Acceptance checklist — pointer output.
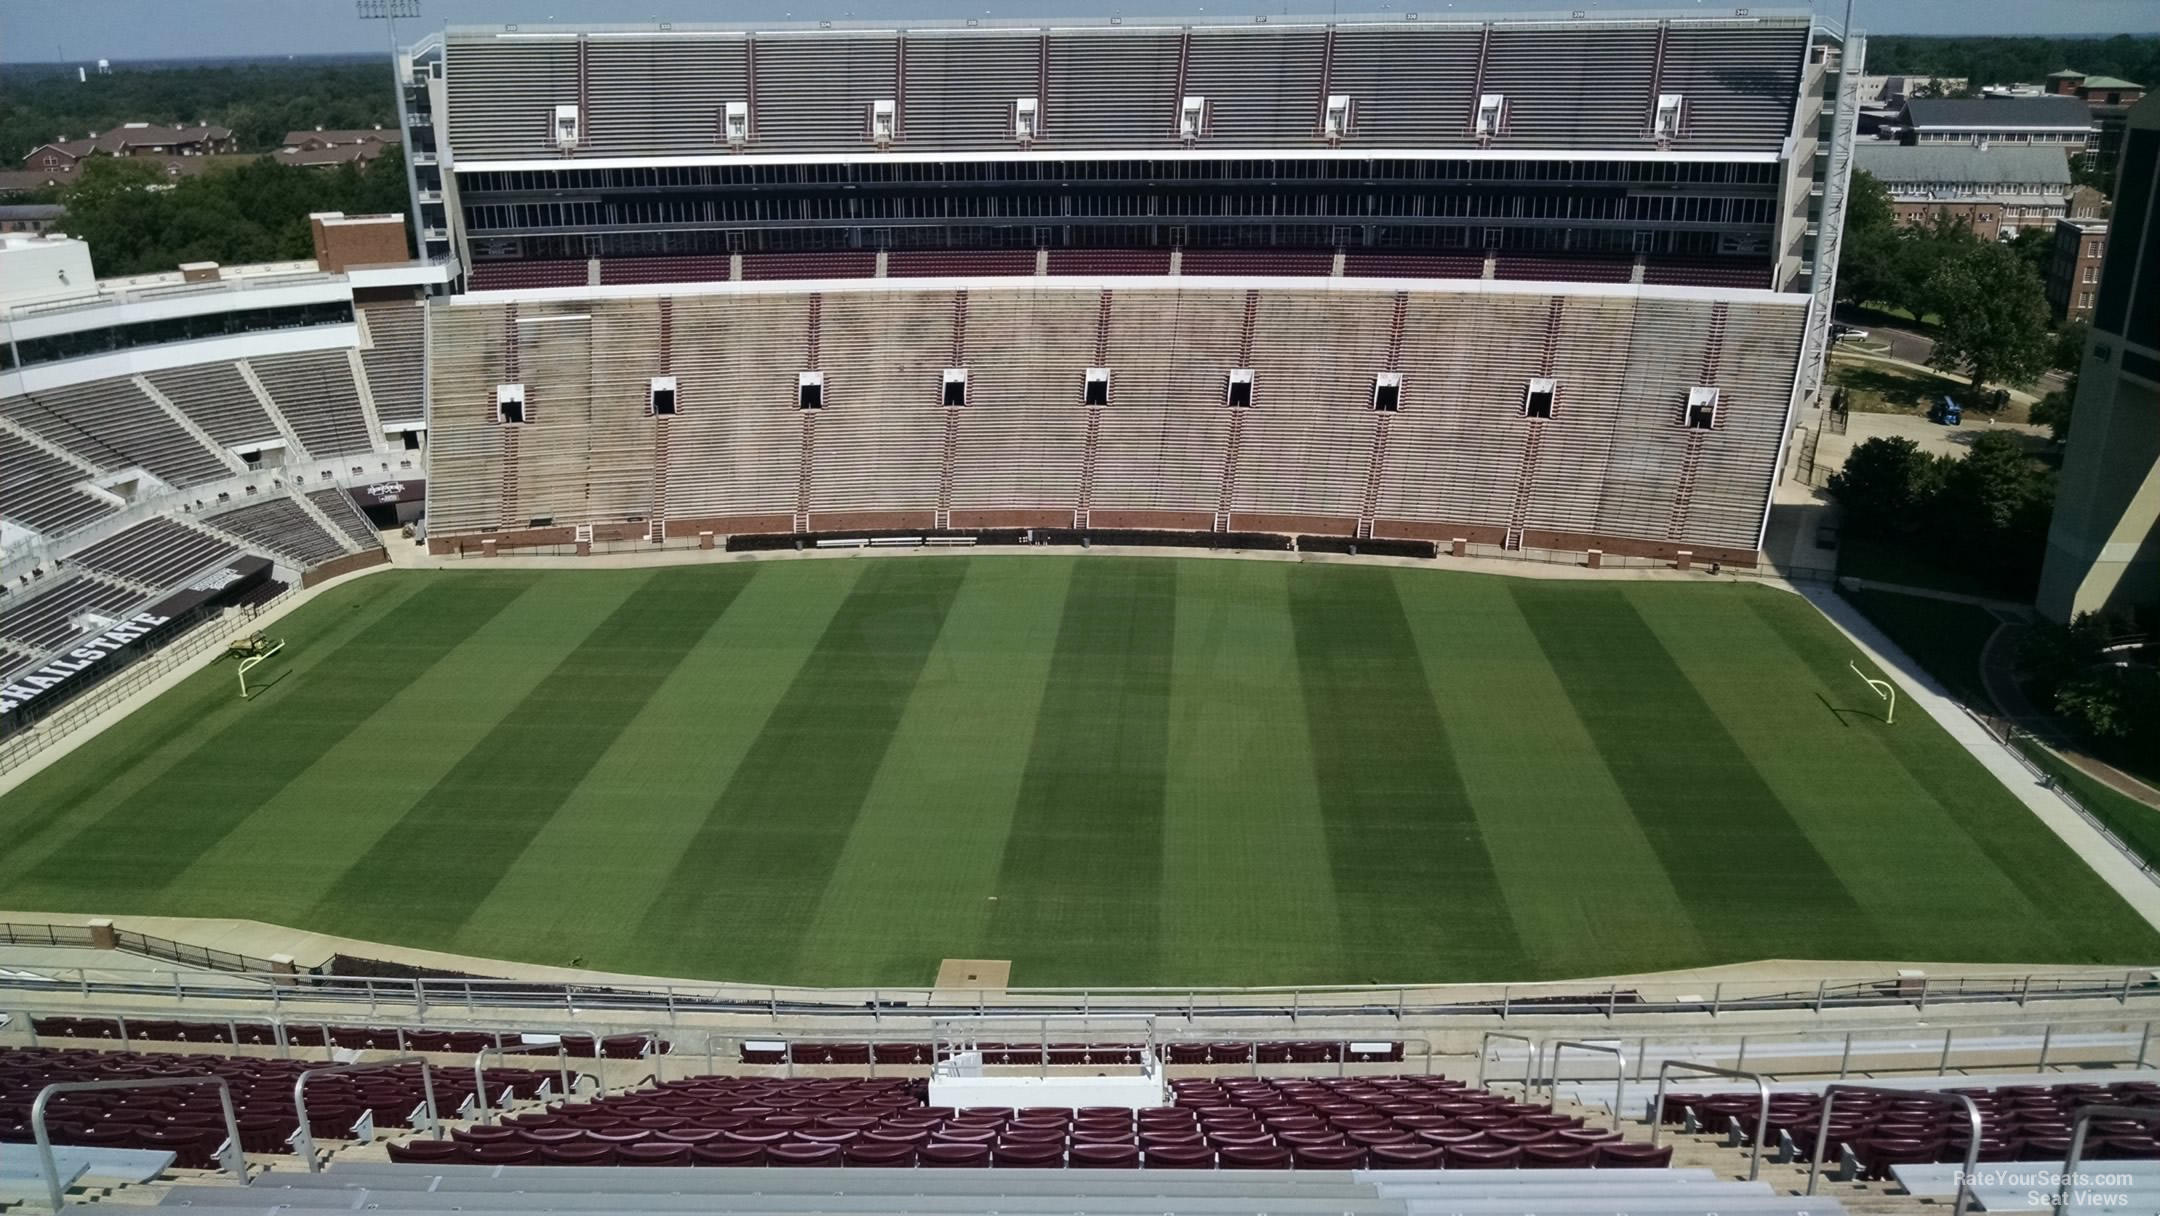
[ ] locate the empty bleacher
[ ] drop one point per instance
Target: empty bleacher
(188, 1122)
(41, 491)
(217, 399)
(114, 424)
(395, 360)
(880, 435)
(315, 393)
(736, 441)
(1615, 462)
(156, 553)
(345, 513)
(1022, 437)
(281, 526)
(492, 276)
(2021, 1119)
(44, 621)
(1307, 442)
(1164, 436)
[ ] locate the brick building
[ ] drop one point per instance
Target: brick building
(59, 158)
(1995, 191)
(2073, 278)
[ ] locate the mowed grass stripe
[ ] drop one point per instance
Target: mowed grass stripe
(581, 886)
(141, 845)
(138, 750)
(1754, 883)
(1246, 888)
(424, 876)
(1587, 892)
(360, 788)
(1412, 875)
(1081, 871)
(751, 880)
(2093, 923)
(915, 878)
(1922, 879)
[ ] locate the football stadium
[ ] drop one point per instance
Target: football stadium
(1054, 596)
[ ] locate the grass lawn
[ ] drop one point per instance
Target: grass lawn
(1109, 770)
(1944, 637)
(1883, 388)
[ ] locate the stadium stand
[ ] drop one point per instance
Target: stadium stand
(395, 359)
(114, 424)
(41, 489)
(218, 400)
(187, 1122)
(156, 553)
(1876, 1132)
(1615, 466)
(281, 526)
(43, 621)
(315, 393)
(339, 506)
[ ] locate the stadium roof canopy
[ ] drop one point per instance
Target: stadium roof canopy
(1386, 83)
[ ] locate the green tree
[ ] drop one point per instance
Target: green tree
(2068, 352)
(1869, 260)
(1886, 486)
(1992, 313)
(2053, 411)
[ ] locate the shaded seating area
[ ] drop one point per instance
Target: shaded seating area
(403, 1040)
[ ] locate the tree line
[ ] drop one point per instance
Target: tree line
(258, 101)
(2006, 60)
(139, 223)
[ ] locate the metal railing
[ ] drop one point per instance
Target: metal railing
(234, 1163)
(1619, 1073)
(906, 1006)
(303, 1140)
(1936, 1096)
(2083, 1124)
(1656, 1114)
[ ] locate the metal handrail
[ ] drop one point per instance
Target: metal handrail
(233, 1161)
(2083, 1122)
(304, 1139)
(1533, 1063)
(1762, 1113)
(1937, 1096)
(479, 1066)
(1619, 1071)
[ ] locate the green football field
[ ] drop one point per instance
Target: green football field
(1109, 770)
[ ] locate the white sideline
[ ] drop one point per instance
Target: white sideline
(2137, 890)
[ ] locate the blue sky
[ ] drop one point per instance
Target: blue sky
(75, 30)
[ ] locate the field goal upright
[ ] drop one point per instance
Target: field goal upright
(973, 1062)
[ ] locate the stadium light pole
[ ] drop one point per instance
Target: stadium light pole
(388, 12)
